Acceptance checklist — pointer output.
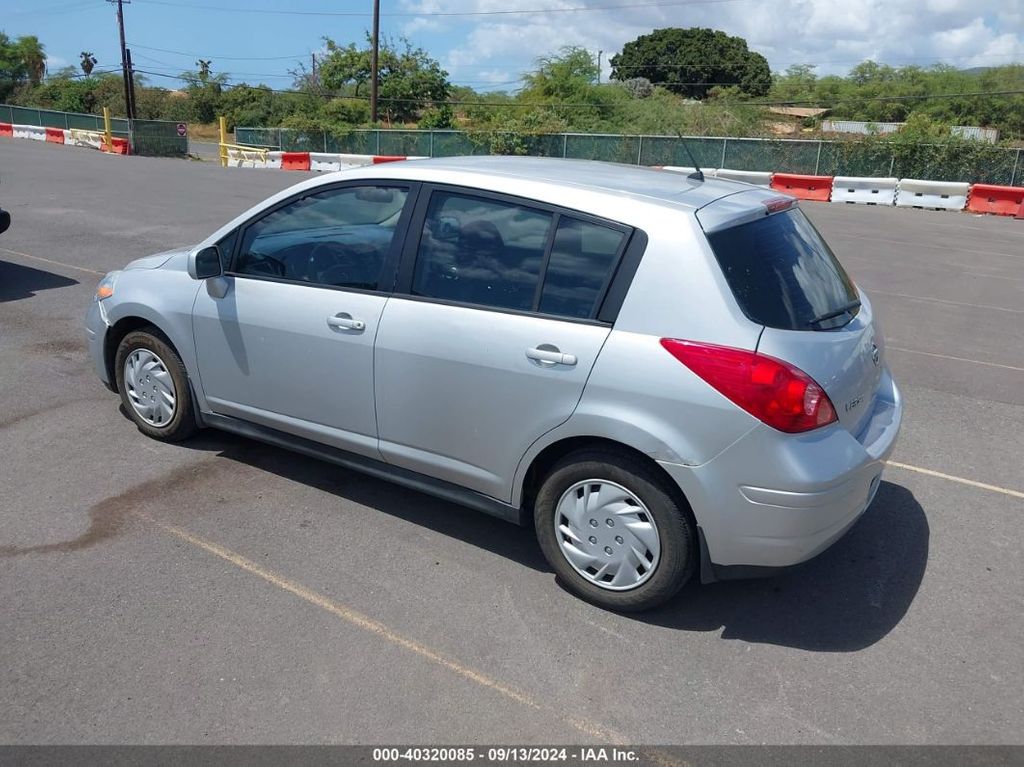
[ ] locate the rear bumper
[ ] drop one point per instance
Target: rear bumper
(774, 500)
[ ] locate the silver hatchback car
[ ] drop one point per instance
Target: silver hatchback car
(663, 374)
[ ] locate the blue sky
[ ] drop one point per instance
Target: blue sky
(261, 40)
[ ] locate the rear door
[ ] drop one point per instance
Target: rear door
(784, 276)
(488, 341)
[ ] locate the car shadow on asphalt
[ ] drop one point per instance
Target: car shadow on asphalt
(473, 527)
(17, 281)
(846, 599)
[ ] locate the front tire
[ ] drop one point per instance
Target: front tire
(614, 531)
(153, 384)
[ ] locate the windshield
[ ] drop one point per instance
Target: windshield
(784, 275)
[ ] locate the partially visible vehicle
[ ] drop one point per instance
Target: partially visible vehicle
(662, 374)
(5, 220)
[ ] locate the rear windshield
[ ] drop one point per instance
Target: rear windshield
(783, 274)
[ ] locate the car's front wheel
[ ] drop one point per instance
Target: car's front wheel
(613, 530)
(153, 384)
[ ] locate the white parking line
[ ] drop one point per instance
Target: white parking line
(951, 357)
(961, 480)
(944, 301)
(51, 261)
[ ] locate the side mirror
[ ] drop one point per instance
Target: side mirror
(205, 263)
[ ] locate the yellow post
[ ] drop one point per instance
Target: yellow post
(223, 142)
(106, 129)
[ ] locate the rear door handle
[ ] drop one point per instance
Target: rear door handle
(344, 321)
(549, 355)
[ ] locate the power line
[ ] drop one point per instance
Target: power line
(435, 14)
(218, 56)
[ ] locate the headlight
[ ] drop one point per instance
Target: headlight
(106, 287)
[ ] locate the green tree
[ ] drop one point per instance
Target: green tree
(690, 62)
(409, 80)
(88, 62)
(204, 90)
(34, 56)
(21, 61)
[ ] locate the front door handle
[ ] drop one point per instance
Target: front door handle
(344, 321)
(549, 355)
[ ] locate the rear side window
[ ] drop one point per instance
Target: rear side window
(481, 251)
(582, 257)
(783, 274)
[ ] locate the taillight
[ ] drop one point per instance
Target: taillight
(780, 394)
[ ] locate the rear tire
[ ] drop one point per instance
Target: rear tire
(154, 387)
(615, 532)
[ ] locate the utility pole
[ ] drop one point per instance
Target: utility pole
(373, 61)
(132, 111)
(599, 55)
(125, 68)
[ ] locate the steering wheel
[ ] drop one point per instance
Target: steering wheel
(260, 263)
(331, 263)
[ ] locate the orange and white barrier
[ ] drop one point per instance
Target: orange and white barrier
(323, 162)
(73, 137)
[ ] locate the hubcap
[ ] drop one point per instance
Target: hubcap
(150, 387)
(607, 534)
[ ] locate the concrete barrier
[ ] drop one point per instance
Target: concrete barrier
(295, 160)
(867, 191)
(938, 195)
(757, 178)
(245, 158)
(998, 200)
(324, 163)
(803, 187)
(708, 172)
(34, 132)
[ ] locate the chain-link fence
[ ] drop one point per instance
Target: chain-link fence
(157, 138)
(970, 162)
(49, 118)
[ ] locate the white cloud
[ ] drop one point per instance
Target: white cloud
(833, 34)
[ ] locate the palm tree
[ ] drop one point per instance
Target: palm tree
(34, 57)
(204, 69)
(88, 62)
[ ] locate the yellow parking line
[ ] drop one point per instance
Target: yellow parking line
(51, 261)
(961, 480)
(379, 629)
(956, 359)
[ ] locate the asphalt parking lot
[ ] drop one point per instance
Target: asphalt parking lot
(223, 591)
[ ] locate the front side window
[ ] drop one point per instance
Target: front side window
(481, 251)
(337, 238)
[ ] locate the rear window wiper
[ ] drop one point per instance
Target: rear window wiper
(848, 308)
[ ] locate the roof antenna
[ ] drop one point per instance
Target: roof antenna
(698, 174)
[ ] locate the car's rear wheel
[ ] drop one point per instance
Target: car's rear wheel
(614, 531)
(153, 384)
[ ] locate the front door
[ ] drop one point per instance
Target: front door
(285, 338)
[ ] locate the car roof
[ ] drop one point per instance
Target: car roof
(651, 184)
